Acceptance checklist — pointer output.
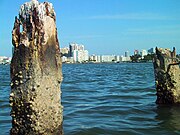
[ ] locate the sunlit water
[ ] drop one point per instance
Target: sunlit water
(105, 99)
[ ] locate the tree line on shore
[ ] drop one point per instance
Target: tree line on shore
(146, 58)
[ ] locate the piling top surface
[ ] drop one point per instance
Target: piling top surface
(37, 9)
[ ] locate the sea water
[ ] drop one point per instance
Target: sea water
(105, 99)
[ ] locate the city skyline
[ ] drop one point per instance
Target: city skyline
(105, 26)
(66, 50)
(77, 53)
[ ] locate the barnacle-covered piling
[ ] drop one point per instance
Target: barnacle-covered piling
(36, 72)
(167, 76)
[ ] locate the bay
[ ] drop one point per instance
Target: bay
(105, 99)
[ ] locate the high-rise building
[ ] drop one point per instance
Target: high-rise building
(81, 47)
(152, 50)
(127, 54)
(72, 47)
(75, 46)
(75, 55)
(85, 55)
(80, 55)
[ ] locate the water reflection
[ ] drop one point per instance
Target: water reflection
(169, 117)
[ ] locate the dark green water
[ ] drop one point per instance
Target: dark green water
(105, 99)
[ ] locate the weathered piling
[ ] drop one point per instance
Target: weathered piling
(36, 72)
(167, 76)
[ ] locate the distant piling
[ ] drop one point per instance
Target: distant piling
(36, 73)
(167, 76)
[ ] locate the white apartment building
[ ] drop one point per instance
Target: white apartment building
(107, 58)
(98, 59)
(81, 47)
(95, 58)
(85, 55)
(125, 59)
(118, 58)
(75, 46)
(80, 56)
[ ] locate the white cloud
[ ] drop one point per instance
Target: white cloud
(135, 16)
(160, 30)
(82, 36)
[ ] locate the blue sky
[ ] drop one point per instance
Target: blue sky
(105, 26)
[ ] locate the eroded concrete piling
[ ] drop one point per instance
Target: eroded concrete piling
(167, 76)
(36, 72)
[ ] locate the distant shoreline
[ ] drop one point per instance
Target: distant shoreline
(5, 63)
(107, 62)
(94, 63)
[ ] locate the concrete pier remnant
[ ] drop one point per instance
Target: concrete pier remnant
(167, 76)
(36, 73)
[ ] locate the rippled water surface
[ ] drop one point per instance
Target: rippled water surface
(105, 99)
